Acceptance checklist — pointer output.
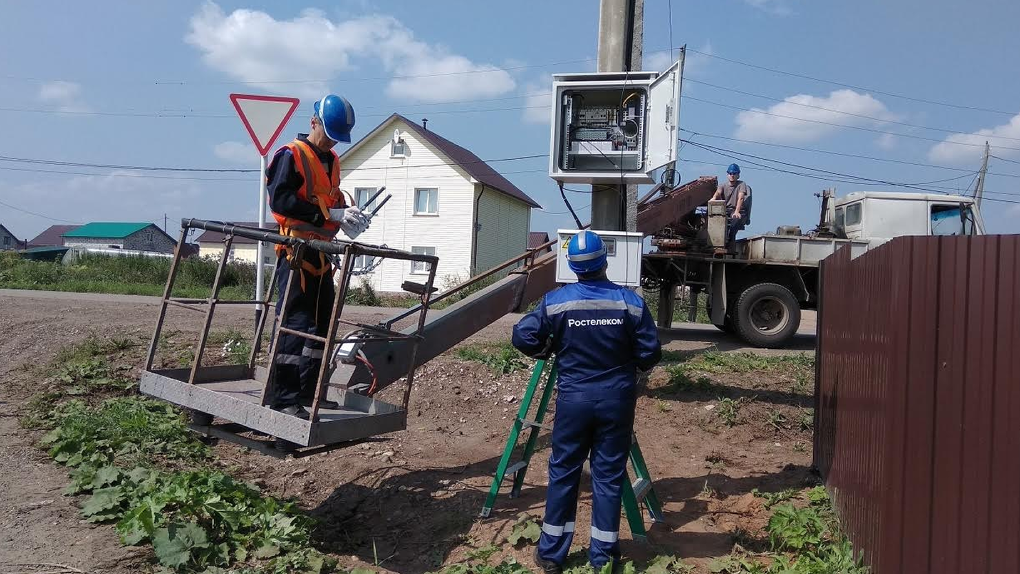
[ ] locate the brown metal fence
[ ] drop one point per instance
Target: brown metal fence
(918, 402)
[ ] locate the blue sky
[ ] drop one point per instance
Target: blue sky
(146, 84)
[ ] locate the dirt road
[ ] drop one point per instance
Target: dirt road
(411, 499)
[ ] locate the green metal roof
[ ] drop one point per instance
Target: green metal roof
(107, 229)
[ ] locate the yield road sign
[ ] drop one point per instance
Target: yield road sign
(264, 117)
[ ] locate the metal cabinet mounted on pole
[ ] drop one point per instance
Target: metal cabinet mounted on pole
(614, 127)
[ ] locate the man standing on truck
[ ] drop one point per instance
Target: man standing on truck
(303, 181)
(602, 335)
(737, 196)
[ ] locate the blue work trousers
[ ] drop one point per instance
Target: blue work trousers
(309, 308)
(601, 428)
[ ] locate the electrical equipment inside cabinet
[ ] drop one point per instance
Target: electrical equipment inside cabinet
(603, 129)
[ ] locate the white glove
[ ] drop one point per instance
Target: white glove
(353, 221)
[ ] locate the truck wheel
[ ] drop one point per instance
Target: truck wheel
(767, 315)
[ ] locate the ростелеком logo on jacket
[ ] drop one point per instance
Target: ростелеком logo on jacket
(593, 322)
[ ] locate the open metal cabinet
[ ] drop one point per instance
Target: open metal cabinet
(614, 127)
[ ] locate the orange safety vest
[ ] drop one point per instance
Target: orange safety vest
(320, 189)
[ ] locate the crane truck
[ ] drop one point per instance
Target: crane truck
(757, 287)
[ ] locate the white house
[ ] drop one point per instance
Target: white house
(210, 244)
(446, 202)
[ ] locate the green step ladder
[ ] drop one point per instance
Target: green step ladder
(634, 493)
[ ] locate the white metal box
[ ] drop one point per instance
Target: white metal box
(615, 127)
(623, 256)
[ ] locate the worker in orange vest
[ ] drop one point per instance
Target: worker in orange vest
(303, 182)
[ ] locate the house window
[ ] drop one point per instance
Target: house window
(7, 241)
(853, 214)
(361, 195)
(362, 262)
(398, 149)
(148, 236)
(426, 201)
(840, 218)
(419, 267)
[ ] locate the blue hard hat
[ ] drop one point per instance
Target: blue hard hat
(734, 168)
(586, 253)
(337, 117)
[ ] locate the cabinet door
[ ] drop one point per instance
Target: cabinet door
(662, 117)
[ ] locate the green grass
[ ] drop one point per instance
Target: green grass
(128, 275)
(679, 309)
(138, 467)
(233, 344)
(719, 362)
(803, 540)
(502, 357)
(728, 411)
(682, 380)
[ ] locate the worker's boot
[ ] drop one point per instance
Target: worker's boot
(295, 411)
(323, 404)
(547, 566)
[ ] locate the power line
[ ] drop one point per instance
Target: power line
(855, 87)
(841, 180)
(15, 208)
(215, 170)
(833, 175)
(881, 120)
(317, 80)
(1003, 159)
(119, 166)
(861, 128)
(841, 154)
(147, 176)
(203, 115)
(562, 212)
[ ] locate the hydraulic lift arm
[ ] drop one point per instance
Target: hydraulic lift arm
(445, 328)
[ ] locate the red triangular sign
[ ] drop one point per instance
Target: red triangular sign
(264, 117)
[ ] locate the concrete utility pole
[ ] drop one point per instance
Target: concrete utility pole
(980, 187)
(621, 38)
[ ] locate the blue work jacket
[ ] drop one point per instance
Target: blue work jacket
(601, 334)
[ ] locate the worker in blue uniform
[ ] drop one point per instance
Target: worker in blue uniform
(602, 335)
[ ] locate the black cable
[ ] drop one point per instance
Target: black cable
(855, 87)
(147, 176)
(842, 178)
(1002, 159)
(841, 154)
(881, 120)
(835, 173)
(224, 170)
(15, 208)
(861, 128)
(569, 208)
(669, 6)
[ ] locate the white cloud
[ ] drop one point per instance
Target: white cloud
(65, 96)
(538, 102)
(777, 7)
(949, 150)
(254, 47)
(790, 128)
(236, 152)
(659, 60)
(887, 141)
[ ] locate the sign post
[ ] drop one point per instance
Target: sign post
(264, 117)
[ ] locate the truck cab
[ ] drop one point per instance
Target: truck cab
(879, 216)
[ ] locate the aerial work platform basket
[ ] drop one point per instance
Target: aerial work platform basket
(238, 394)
